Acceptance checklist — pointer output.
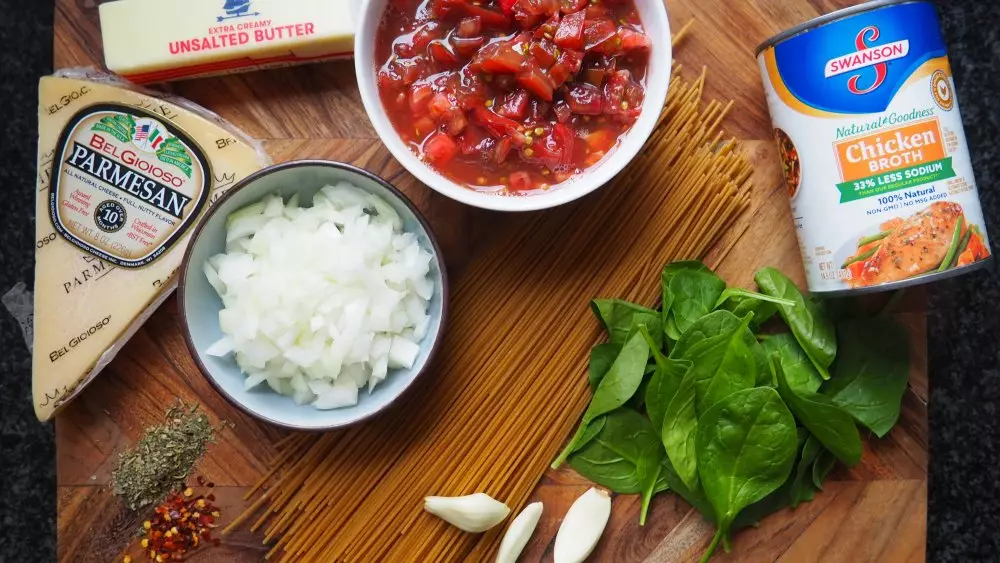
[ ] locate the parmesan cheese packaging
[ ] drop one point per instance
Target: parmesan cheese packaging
(148, 41)
(122, 177)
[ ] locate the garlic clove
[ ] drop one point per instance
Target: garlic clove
(582, 527)
(518, 533)
(472, 513)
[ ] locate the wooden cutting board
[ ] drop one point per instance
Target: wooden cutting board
(873, 512)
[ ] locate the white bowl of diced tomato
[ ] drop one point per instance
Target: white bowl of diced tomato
(513, 105)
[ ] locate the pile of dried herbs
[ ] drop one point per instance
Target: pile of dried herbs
(162, 459)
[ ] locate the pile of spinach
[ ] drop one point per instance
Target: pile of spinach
(704, 398)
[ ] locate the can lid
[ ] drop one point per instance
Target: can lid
(828, 18)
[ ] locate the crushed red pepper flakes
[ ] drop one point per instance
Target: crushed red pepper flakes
(182, 523)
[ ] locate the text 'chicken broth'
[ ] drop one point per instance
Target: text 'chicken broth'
(874, 153)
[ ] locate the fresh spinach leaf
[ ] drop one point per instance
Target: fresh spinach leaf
(830, 424)
(602, 357)
(763, 311)
(742, 302)
(810, 324)
(871, 371)
(667, 377)
(679, 429)
(693, 295)
(824, 464)
(721, 364)
(780, 498)
(620, 318)
(592, 430)
(669, 271)
(624, 456)
(617, 387)
(694, 497)
(802, 484)
(714, 324)
(746, 446)
(799, 371)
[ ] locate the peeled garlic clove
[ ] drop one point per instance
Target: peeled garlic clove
(518, 533)
(582, 527)
(472, 513)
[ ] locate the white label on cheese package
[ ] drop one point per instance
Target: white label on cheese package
(126, 185)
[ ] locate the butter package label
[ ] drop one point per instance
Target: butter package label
(195, 38)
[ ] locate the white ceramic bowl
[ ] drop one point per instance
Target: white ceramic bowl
(654, 20)
(200, 304)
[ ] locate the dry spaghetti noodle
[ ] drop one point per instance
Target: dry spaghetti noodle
(506, 391)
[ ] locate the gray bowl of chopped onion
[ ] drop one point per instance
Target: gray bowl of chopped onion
(313, 294)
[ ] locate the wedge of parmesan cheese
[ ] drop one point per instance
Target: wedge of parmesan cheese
(122, 178)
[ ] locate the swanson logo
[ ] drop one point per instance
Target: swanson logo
(865, 56)
(148, 135)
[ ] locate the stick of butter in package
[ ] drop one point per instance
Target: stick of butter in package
(148, 41)
(123, 176)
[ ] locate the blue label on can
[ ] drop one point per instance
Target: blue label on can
(857, 64)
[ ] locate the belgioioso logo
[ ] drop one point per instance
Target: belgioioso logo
(866, 56)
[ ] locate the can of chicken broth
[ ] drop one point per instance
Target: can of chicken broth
(875, 158)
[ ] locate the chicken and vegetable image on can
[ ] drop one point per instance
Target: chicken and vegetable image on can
(875, 158)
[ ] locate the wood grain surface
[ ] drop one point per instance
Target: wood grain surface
(875, 511)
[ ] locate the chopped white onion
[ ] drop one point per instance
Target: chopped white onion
(320, 302)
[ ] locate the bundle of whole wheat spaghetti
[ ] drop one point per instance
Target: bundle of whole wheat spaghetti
(505, 391)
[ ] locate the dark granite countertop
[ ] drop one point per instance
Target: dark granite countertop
(964, 317)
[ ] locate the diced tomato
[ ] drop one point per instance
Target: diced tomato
(594, 76)
(595, 11)
(439, 148)
(539, 110)
(441, 53)
(632, 39)
(570, 6)
(498, 57)
(440, 105)
(600, 141)
(470, 27)
(467, 46)
(584, 99)
(508, 6)
(562, 111)
(535, 81)
(544, 52)
(389, 79)
(474, 140)
(622, 96)
(470, 92)
(570, 33)
(520, 181)
(498, 126)
(559, 74)
(596, 32)
(411, 70)
(488, 18)
(457, 123)
(547, 29)
(505, 82)
(503, 150)
(564, 139)
(572, 59)
(423, 126)
(420, 97)
(540, 7)
(514, 105)
(424, 35)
